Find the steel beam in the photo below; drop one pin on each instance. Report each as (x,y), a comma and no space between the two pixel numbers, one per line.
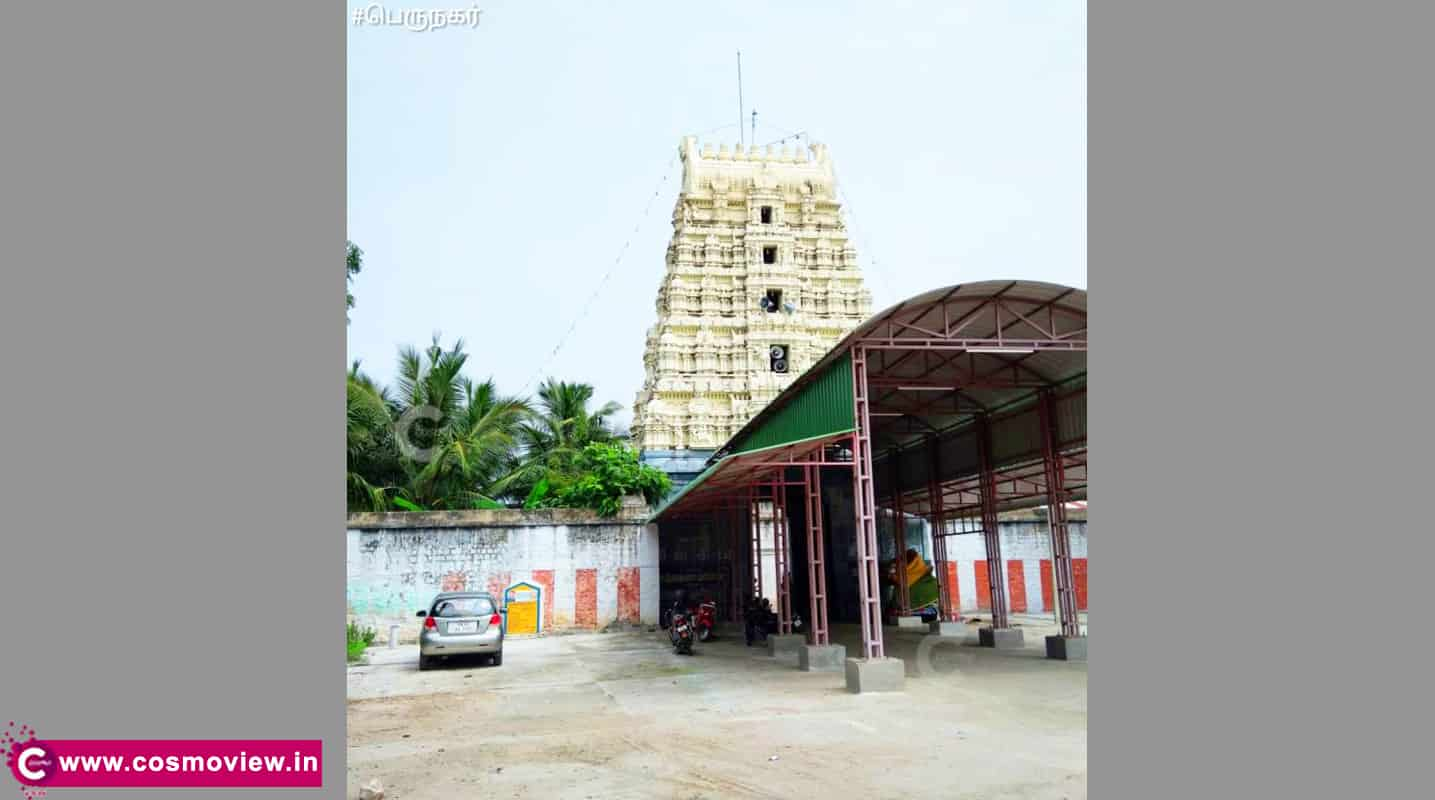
(735,559)
(1061,573)
(816,557)
(755,517)
(958,382)
(864,504)
(938,517)
(899,534)
(995,573)
(781,558)
(899,343)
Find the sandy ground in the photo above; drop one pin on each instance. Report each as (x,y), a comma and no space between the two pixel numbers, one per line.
(618,715)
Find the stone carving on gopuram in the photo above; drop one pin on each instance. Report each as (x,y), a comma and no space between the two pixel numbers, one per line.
(761,281)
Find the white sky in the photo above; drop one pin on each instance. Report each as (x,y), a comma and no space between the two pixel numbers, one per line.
(494,174)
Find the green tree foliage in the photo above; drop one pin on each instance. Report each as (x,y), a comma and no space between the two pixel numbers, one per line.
(371,452)
(359,640)
(603,473)
(554,437)
(455,436)
(437,440)
(353,262)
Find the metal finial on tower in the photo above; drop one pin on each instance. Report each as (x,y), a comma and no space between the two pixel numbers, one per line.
(739,98)
(754,127)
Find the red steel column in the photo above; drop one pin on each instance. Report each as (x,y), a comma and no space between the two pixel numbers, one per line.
(1061,572)
(816,549)
(899,534)
(781,556)
(939,532)
(755,516)
(735,558)
(864,503)
(990,530)
(745,537)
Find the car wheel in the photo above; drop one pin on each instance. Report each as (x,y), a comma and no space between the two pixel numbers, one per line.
(425,663)
(497,659)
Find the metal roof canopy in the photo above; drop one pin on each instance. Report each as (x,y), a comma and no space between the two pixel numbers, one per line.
(938,366)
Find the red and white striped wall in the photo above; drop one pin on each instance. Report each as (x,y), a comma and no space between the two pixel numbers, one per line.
(592,575)
(593,597)
(1026,568)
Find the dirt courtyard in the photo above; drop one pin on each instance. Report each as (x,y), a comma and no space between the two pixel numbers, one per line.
(618,715)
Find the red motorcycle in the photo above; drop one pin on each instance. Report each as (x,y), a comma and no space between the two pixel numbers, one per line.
(681,634)
(705,619)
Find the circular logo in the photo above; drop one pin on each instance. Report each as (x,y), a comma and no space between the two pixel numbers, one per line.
(33,763)
(403,431)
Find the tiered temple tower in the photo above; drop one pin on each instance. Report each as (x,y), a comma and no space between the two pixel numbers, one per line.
(761,280)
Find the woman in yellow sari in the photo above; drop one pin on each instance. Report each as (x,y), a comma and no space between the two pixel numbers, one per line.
(922,589)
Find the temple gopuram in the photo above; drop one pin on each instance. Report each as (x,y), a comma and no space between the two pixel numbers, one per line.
(761,280)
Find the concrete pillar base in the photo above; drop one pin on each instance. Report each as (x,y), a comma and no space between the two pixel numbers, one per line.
(875,675)
(1001,638)
(954,629)
(780,645)
(1066,648)
(821,657)
(910,624)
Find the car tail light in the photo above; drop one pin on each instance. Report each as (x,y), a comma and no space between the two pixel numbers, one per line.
(496,619)
(429,623)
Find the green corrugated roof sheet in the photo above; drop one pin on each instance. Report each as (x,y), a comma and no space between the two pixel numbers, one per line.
(822,407)
(692,484)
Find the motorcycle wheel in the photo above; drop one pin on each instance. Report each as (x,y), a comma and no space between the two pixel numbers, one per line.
(705,634)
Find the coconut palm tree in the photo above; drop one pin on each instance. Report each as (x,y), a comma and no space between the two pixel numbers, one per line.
(353,264)
(552,440)
(454,436)
(370,453)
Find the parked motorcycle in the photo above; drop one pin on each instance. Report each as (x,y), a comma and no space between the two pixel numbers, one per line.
(760,621)
(705,620)
(680,603)
(681,633)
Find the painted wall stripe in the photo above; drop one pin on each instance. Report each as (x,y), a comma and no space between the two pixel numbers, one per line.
(1048,594)
(953,588)
(983,587)
(585,598)
(544,578)
(630,608)
(1016,586)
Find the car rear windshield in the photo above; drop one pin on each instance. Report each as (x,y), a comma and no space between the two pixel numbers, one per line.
(463,607)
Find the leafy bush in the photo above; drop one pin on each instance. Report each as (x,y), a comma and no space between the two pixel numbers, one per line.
(359,641)
(603,474)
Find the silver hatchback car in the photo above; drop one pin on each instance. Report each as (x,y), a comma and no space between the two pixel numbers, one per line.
(461,623)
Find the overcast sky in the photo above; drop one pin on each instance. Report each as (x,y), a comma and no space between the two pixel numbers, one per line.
(495,174)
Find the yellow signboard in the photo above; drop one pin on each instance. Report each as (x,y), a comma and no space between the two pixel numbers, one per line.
(523,618)
(523,602)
